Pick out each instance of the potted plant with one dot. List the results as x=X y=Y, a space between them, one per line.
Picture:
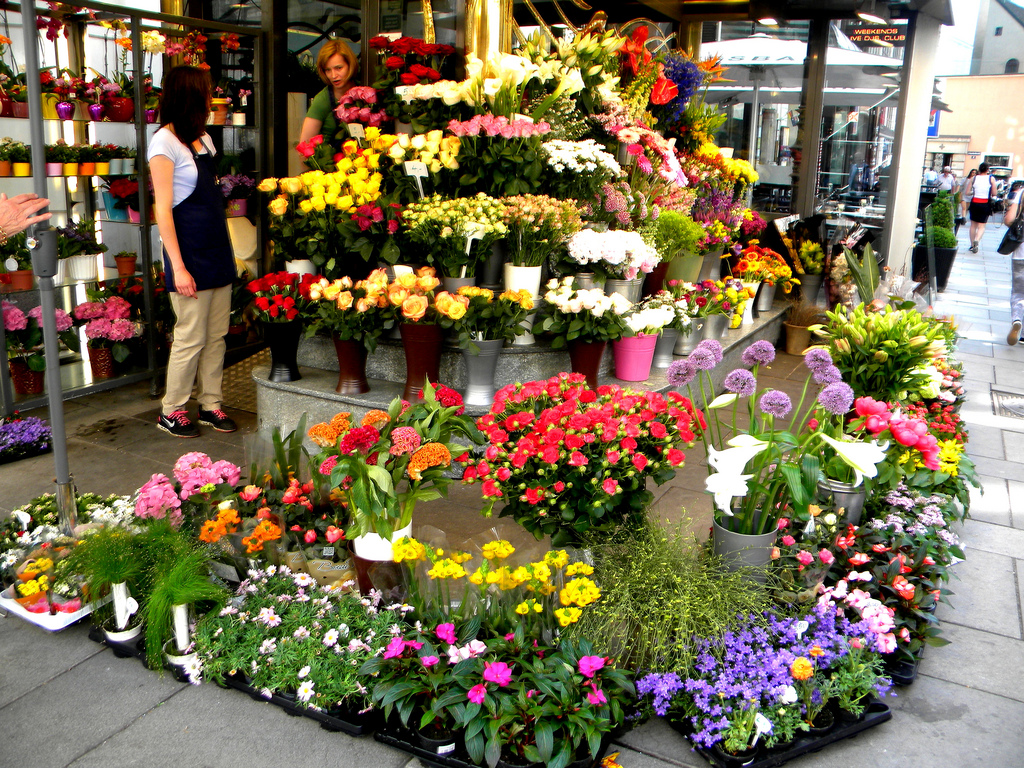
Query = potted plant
x=801 y=316
x=618 y=256
x=5 y=156
x=352 y=316
x=634 y=352
x=939 y=238
x=538 y=229
x=236 y=189
x=107 y=327
x=811 y=258
x=676 y=237
x=86 y=159
x=24 y=339
x=280 y=299
x=486 y=324
x=679 y=323
x=21 y=159
x=56 y=156
x=23 y=437
x=112 y=562
x=17 y=260
x=126 y=262
x=77 y=250
x=585 y=321
x=125 y=195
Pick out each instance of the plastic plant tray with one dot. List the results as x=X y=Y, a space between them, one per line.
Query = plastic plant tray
x=54 y=623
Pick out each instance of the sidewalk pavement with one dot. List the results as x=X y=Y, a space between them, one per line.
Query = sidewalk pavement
x=65 y=701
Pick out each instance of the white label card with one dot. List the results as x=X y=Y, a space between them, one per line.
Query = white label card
x=11 y=264
x=801 y=627
x=355 y=130
x=416 y=168
x=445 y=749
x=328 y=551
x=245 y=101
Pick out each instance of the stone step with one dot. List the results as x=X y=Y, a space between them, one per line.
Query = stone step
x=281 y=404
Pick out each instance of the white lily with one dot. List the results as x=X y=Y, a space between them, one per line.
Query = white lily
x=722 y=400
x=725 y=486
x=862 y=457
x=744 y=440
x=733 y=460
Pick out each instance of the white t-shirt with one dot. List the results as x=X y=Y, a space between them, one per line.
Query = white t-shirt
x=981 y=190
x=168 y=145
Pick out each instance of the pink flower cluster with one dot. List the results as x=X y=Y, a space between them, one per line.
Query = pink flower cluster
x=196 y=470
x=489 y=125
x=908 y=432
x=113 y=308
x=877 y=617
x=404 y=440
x=356 y=106
x=110 y=330
x=14 y=318
x=157 y=499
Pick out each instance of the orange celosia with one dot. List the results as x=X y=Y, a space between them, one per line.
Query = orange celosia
x=376 y=419
x=429 y=455
x=323 y=434
x=341 y=422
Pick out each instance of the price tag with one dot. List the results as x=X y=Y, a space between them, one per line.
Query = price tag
x=245 y=101
x=445 y=749
x=355 y=130
x=328 y=551
x=402 y=90
x=418 y=170
x=132 y=605
x=11 y=264
x=474 y=231
x=763 y=726
x=801 y=627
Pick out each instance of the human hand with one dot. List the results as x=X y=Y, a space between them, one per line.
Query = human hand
x=16 y=213
x=184 y=284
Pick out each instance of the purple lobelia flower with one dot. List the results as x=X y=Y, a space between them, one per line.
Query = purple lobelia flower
x=742 y=382
x=836 y=398
x=776 y=403
x=759 y=353
x=681 y=372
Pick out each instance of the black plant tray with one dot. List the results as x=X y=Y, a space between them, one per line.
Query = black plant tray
x=353 y=724
x=11 y=456
x=902 y=670
x=135 y=649
x=403 y=740
x=876 y=713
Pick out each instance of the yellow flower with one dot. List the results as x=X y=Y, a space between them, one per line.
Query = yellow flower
x=269 y=184
x=801 y=668
x=372 y=133
x=567 y=616
x=447 y=569
x=318 y=202
x=579 y=568
x=477 y=577
x=497 y=550
x=278 y=206
x=305 y=206
x=522 y=609
x=408 y=550
x=291 y=185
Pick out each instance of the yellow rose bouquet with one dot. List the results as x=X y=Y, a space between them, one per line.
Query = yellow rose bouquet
x=489 y=318
x=350 y=311
x=455 y=235
x=439 y=153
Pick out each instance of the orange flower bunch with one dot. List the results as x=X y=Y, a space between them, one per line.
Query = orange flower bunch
x=376 y=418
x=213 y=530
x=326 y=433
x=429 y=455
x=351 y=311
x=757 y=264
x=451 y=306
x=265 y=531
x=411 y=294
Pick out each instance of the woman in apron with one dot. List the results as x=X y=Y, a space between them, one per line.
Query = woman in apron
x=199 y=265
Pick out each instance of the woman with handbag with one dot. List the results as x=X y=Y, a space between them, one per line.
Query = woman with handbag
x=981 y=194
x=1015 y=234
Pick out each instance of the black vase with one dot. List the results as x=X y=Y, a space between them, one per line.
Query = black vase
x=283 y=340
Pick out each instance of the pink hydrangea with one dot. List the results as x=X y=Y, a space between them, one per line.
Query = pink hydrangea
x=14 y=318
x=229 y=473
x=89 y=310
x=189 y=461
x=157 y=499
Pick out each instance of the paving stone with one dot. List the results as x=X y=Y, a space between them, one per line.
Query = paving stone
x=21 y=640
x=987 y=441
x=1016 y=502
x=993 y=538
x=997 y=467
x=980 y=660
x=991 y=503
x=984 y=597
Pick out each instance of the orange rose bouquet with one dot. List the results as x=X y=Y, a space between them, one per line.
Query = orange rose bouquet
x=412 y=299
x=351 y=311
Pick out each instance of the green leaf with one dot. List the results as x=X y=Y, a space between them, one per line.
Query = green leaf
x=545 y=739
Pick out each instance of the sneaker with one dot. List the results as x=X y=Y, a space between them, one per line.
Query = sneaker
x=177 y=424
x=1014 y=335
x=217 y=419
x=974 y=248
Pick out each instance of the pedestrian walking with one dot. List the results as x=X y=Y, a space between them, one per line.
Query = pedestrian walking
x=947 y=179
x=199 y=265
x=965 y=193
x=983 y=189
x=1016 y=267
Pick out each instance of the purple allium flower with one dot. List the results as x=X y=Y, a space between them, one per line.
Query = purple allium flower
x=713 y=347
x=681 y=372
x=836 y=398
x=742 y=382
x=759 y=353
x=702 y=359
x=828 y=375
x=776 y=403
x=817 y=359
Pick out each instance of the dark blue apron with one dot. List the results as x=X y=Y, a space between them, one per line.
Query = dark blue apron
x=202 y=231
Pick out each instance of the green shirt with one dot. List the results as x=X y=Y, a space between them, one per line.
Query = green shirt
x=320 y=109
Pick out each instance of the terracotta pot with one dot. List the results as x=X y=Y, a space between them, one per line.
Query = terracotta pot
x=25 y=380
x=798 y=338
x=283 y=340
x=422 y=344
x=20 y=108
x=585 y=357
x=101 y=360
x=5 y=167
x=218 y=111
x=125 y=265
x=22 y=280
x=351 y=367
x=120 y=109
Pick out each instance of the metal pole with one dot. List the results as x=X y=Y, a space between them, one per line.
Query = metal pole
x=43 y=245
x=813 y=104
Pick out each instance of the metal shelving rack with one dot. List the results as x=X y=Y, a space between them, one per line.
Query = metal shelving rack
x=73 y=380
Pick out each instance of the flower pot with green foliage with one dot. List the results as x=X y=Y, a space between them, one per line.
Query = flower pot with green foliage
x=943 y=243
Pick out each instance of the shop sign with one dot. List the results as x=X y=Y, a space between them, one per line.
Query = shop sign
x=391 y=16
x=870 y=33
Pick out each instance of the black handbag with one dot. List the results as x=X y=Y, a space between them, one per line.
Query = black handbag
x=1014 y=235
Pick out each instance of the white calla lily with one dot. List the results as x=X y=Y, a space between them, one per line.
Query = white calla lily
x=733 y=460
x=725 y=486
x=746 y=440
x=862 y=457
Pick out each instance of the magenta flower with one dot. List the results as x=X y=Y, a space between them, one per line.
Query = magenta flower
x=497 y=672
x=429 y=661
x=591 y=664
x=597 y=697
x=446 y=632
x=395 y=648
x=477 y=694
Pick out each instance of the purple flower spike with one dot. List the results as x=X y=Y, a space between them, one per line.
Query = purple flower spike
x=776 y=403
x=836 y=398
x=681 y=372
x=817 y=359
x=759 y=353
x=742 y=382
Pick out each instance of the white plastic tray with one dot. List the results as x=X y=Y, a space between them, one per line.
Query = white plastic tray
x=46 y=621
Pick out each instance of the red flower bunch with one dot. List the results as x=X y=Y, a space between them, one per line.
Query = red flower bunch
x=909 y=432
x=407 y=61
x=308 y=148
x=449 y=398
x=568 y=459
x=366 y=216
x=281 y=296
x=943 y=421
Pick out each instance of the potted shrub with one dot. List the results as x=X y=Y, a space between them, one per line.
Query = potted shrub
x=18 y=262
x=676 y=237
x=5 y=156
x=56 y=155
x=24 y=340
x=237 y=188
x=77 y=248
x=112 y=562
x=126 y=261
x=938 y=237
x=86 y=159
x=800 y=317
x=21 y=159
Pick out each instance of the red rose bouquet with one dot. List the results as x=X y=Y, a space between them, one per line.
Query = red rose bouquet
x=406 y=61
x=567 y=459
x=281 y=296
